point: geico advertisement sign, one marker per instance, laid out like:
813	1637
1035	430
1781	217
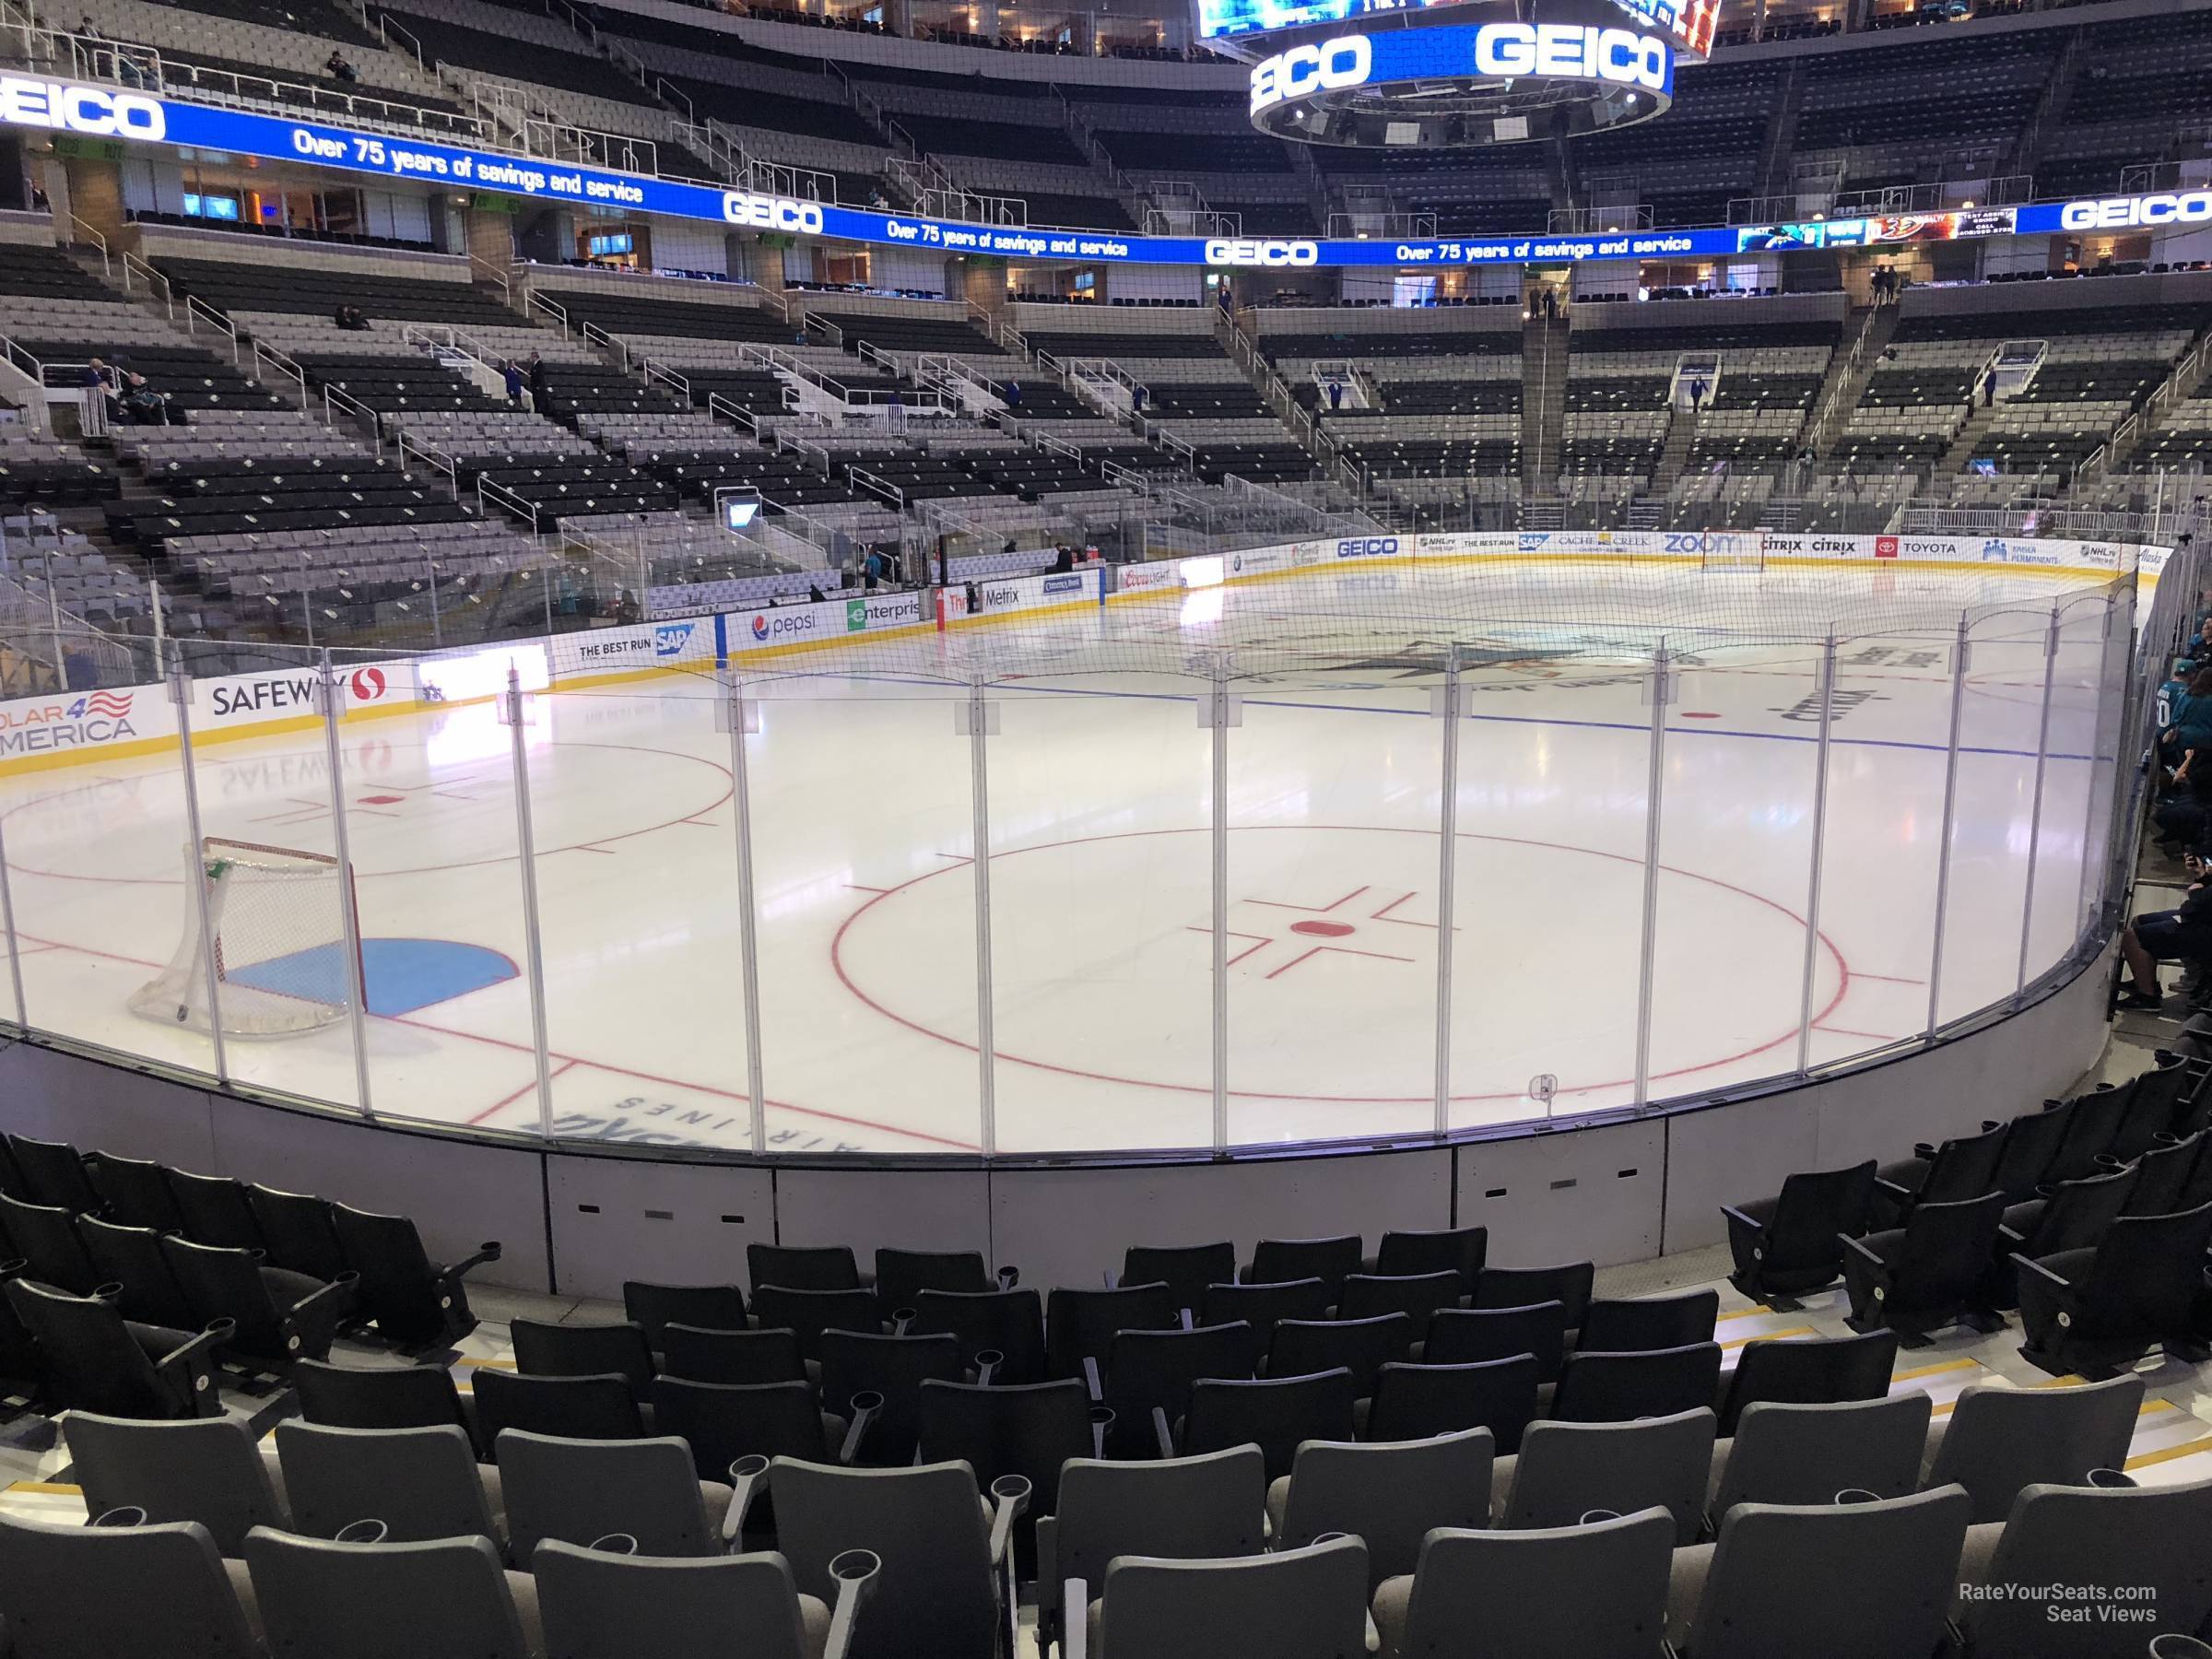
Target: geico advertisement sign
1368	546
45	726
771	213
1330	66
1263	253
94	111
239	698
1493	51
2124	213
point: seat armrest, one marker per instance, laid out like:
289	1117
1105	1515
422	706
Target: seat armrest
193	1366
1090	1379
1075	1620
856	1572
867	1406
1008	1277
1162	1436
2009	1238
340	1293
748	1479
1924	1151
1859	1246
1902	1194
1730	1213
2030	1265
1009	1501
987	1364
489	1251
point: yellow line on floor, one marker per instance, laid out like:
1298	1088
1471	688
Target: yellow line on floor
46	1486
1771	1336
2168	1455
1930	1371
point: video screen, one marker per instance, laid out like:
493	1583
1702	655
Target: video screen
1218	18
1688	23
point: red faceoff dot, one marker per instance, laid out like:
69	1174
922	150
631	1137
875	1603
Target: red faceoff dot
1325	930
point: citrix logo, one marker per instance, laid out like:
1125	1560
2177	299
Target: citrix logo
92	110
1237	252
2120	213
771	213
1302	71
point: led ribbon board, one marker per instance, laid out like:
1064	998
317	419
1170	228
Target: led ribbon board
111	112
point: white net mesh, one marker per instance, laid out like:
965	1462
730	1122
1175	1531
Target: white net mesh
281	963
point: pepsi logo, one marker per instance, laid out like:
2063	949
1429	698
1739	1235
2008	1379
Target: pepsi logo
759	628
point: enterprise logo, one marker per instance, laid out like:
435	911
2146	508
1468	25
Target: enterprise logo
93	111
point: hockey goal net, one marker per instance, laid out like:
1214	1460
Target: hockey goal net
278	915
1735	550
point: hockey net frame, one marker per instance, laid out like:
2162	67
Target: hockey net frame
1735	551
244	884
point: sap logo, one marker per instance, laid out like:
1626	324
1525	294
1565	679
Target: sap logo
2120	213
771	213
88	109
1262	253
1372	547
1884	546
1572	52
1532	541
670	637
1329	66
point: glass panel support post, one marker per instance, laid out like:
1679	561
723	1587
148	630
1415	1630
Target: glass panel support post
1943	839
349	913
533	949
1812	882
195	862
743	717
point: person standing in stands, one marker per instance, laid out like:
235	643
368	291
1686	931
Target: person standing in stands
1014	396
515	384
1335	395
1989	385
337	68
540	384
872	569
1697	396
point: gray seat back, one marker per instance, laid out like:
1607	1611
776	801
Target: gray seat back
421	1483
1596	1592
1299	1604
2153	1537
1899	1558
599	1605
96	1592
2002	1440
1809	1454
580	1490
442	1600
1179	1509
203	1469
935	1598
1565	1470
1390	1494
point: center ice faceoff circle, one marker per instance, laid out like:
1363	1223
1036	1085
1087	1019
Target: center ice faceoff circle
1334	928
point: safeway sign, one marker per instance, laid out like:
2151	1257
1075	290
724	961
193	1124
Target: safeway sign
238	699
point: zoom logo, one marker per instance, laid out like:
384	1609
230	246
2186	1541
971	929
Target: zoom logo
1228	253
1302	71
91	110
771	213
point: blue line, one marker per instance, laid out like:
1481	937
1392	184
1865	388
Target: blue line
1591	726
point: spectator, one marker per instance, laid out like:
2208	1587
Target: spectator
88	29
541	385
145	406
2174	936
814	592
1696	393
515	384
874	569
627	610
1989	385
2181	822
2191	728
1336	396
1063	560
337	68
1137	401
1014	396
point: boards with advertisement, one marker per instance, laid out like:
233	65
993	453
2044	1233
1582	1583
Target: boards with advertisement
251	699
786	625
1018	593
83	723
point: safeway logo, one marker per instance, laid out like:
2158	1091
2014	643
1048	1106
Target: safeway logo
1884	546
367	684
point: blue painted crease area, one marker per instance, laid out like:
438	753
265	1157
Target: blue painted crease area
399	975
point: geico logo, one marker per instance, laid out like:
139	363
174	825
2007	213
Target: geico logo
2116	213
1261	254
1304	70
88	109
1378	547
771	213
1571	52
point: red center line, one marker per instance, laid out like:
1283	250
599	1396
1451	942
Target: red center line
505	1100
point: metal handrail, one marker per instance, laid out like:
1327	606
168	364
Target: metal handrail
719	405
433	459
196	307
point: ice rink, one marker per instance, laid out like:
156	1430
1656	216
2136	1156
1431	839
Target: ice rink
1100	784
